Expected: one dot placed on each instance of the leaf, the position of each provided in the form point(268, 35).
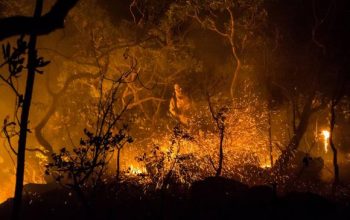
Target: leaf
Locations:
point(44, 63)
point(18, 70)
point(130, 139)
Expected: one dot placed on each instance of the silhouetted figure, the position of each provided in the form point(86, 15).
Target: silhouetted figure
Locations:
point(180, 105)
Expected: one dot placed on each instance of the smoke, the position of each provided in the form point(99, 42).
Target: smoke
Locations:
point(172, 50)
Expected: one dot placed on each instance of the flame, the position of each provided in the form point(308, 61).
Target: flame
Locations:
point(326, 135)
point(7, 191)
point(34, 173)
point(136, 170)
point(265, 165)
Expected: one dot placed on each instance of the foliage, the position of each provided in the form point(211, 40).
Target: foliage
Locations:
point(83, 168)
point(16, 60)
point(197, 44)
point(170, 165)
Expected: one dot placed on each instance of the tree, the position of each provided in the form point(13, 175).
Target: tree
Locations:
point(82, 169)
point(15, 61)
point(97, 40)
point(315, 62)
point(37, 25)
point(234, 21)
point(33, 63)
point(219, 118)
point(41, 25)
point(335, 99)
point(170, 165)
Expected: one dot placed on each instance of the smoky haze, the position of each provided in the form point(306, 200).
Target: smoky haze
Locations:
point(282, 53)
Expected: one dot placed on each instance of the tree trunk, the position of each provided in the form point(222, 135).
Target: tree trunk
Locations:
point(38, 131)
point(282, 162)
point(221, 154)
point(118, 165)
point(52, 109)
point(237, 68)
point(334, 149)
point(270, 136)
point(32, 56)
point(220, 123)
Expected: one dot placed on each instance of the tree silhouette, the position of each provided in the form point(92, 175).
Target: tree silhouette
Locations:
point(222, 18)
point(40, 25)
point(219, 117)
point(33, 26)
point(335, 99)
point(82, 169)
point(33, 62)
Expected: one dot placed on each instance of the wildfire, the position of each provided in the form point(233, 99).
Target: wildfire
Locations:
point(135, 170)
point(265, 165)
point(326, 136)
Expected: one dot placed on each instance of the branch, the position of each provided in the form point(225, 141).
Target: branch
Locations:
point(36, 150)
point(10, 84)
point(211, 109)
point(52, 109)
point(46, 24)
point(139, 102)
point(318, 24)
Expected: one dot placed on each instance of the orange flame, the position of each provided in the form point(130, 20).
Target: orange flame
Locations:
point(326, 136)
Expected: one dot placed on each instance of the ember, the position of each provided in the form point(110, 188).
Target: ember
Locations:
point(212, 107)
point(136, 171)
point(326, 135)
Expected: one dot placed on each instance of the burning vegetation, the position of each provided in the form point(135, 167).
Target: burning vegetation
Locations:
point(204, 109)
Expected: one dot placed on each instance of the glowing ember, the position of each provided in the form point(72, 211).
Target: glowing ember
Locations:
point(136, 170)
point(326, 136)
point(265, 165)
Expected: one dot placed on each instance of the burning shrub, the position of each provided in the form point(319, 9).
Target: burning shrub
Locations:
point(87, 161)
point(170, 165)
point(82, 170)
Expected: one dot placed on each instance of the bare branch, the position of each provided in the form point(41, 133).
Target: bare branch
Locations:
point(49, 22)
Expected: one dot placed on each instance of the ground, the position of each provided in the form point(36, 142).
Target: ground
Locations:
point(212, 198)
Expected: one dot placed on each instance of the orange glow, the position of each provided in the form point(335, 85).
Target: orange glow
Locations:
point(265, 165)
point(136, 170)
point(6, 192)
point(326, 136)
